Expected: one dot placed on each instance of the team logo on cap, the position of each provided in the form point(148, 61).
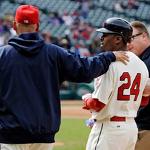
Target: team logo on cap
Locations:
point(26, 21)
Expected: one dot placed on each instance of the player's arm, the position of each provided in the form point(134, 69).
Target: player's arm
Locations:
point(84, 69)
point(146, 94)
point(146, 91)
point(90, 103)
point(144, 101)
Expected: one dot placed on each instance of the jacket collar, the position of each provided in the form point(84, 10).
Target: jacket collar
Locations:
point(146, 53)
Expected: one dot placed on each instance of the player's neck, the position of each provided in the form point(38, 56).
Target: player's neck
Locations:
point(121, 48)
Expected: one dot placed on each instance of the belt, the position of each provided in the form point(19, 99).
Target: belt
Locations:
point(117, 118)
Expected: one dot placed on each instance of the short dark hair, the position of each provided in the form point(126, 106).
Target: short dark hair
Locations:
point(141, 27)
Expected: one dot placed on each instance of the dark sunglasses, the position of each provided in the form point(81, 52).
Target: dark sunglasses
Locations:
point(133, 36)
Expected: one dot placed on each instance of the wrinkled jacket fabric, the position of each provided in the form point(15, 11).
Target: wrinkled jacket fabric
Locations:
point(31, 73)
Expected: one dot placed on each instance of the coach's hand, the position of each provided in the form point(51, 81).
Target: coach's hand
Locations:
point(121, 56)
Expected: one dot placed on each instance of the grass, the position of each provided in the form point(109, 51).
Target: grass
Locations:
point(73, 135)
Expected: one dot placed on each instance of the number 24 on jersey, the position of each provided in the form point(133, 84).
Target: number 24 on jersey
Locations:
point(134, 87)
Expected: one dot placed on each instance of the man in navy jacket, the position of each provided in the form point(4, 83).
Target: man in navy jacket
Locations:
point(31, 73)
point(140, 45)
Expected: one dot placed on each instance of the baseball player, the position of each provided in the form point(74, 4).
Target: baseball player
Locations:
point(117, 95)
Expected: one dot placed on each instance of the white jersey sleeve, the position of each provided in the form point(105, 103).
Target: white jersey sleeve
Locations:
point(104, 86)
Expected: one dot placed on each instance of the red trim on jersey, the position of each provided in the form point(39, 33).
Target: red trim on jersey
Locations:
point(117, 118)
point(145, 101)
point(93, 103)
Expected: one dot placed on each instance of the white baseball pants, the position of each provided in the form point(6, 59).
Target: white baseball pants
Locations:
point(113, 135)
point(36, 146)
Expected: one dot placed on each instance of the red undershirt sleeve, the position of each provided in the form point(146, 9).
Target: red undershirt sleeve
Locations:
point(93, 103)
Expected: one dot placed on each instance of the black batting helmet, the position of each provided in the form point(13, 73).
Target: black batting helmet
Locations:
point(117, 26)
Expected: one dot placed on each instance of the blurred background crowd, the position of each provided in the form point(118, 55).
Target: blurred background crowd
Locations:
point(72, 24)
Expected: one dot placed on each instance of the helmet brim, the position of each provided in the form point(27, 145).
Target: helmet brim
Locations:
point(104, 30)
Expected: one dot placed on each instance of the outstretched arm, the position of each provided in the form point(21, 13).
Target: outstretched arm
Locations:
point(75, 68)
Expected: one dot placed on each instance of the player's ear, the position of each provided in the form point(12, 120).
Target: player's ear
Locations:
point(118, 39)
point(14, 25)
point(37, 28)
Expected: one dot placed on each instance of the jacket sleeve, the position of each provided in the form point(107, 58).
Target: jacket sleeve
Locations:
point(75, 68)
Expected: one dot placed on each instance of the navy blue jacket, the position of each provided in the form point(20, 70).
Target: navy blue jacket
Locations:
point(143, 116)
point(31, 73)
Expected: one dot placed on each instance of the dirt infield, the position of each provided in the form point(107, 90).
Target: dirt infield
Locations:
point(73, 109)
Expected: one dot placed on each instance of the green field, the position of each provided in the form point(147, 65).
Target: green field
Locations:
point(73, 135)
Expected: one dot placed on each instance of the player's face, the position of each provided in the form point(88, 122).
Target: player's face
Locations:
point(107, 42)
point(136, 44)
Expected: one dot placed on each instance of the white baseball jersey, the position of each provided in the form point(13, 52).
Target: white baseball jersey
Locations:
point(121, 88)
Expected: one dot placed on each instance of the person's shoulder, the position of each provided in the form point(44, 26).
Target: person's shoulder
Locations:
point(135, 61)
point(132, 55)
point(117, 65)
point(134, 58)
point(5, 48)
point(54, 47)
